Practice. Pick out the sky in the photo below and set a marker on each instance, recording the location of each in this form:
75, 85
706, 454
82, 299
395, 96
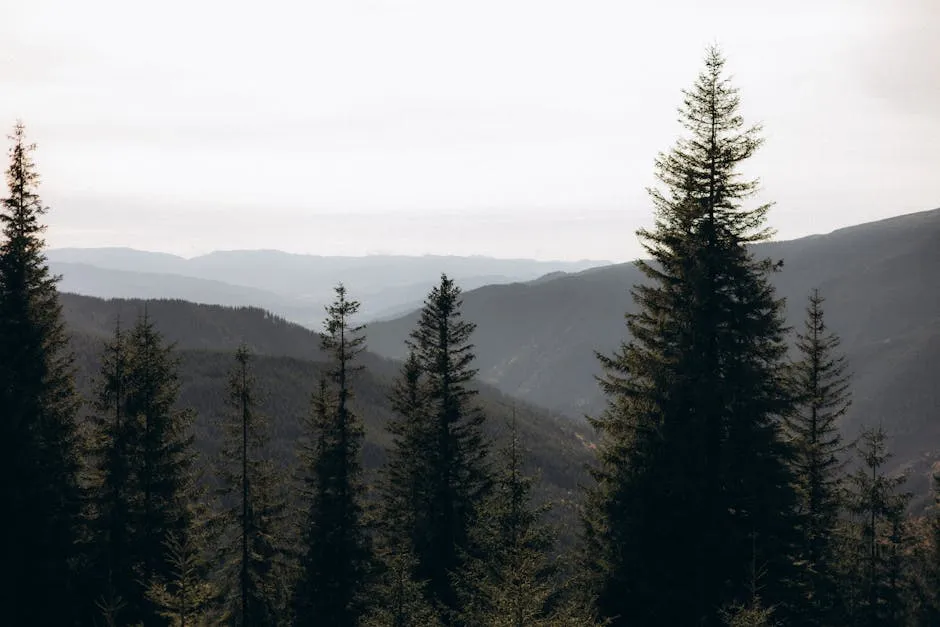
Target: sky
508, 128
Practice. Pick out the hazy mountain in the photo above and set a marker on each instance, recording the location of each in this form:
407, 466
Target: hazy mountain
881, 280
293, 286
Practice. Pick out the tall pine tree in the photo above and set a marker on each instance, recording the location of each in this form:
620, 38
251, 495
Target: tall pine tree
336, 554
438, 461
512, 582
692, 466
253, 511
822, 394
874, 582
39, 440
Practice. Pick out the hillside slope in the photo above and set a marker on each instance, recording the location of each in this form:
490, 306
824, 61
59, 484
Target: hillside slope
882, 285
288, 366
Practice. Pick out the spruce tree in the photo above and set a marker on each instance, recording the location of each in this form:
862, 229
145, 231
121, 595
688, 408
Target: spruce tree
821, 388
39, 439
438, 459
114, 496
253, 509
692, 465
398, 600
512, 582
165, 474
336, 554
875, 583
184, 596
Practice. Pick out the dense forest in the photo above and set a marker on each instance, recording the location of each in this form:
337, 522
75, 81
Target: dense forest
718, 488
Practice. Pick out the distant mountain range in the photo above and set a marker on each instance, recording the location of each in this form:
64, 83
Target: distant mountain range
536, 340
293, 286
537, 334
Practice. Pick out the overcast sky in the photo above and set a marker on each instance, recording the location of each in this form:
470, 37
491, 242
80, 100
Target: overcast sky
512, 128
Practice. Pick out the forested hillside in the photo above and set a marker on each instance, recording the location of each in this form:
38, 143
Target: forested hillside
289, 362
536, 340
173, 464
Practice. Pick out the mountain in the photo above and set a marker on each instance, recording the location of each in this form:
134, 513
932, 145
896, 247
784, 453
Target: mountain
881, 280
289, 362
293, 286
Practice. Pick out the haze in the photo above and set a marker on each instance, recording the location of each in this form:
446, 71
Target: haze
510, 128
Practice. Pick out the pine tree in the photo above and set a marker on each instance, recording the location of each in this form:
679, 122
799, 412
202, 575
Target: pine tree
114, 503
336, 554
512, 583
166, 478
39, 440
438, 460
254, 510
821, 390
184, 596
875, 586
692, 464
399, 600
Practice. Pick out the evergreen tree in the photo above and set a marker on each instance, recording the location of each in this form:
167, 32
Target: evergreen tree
399, 600
437, 464
115, 501
253, 511
163, 491
39, 440
336, 553
692, 464
876, 583
184, 596
512, 583
821, 390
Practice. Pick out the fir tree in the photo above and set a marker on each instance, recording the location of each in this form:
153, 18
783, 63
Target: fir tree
115, 501
437, 464
165, 475
253, 511
399, 600
512, 583
184, 596
692, 464
875, 582
821, 390
335, 560
39, 440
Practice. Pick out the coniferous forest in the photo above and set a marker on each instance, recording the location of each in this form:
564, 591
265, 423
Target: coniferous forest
722, 490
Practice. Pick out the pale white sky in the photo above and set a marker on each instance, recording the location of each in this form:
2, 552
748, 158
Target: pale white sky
512, 128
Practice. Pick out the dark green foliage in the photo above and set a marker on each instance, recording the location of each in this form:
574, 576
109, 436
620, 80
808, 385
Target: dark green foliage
692, 467
336, 555
397, 599
114, 499
821, 390
437, 473
39, 440
145, 484
184, 596
253, 506
512, 583
877, 539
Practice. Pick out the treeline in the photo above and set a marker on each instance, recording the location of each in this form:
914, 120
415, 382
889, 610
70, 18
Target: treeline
723, 492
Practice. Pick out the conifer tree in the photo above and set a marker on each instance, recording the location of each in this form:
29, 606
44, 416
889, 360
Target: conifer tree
165, 477
692, 464
39, 440
437, 464
336, 553
875, 584
821, 391
399, 600
184, 596
512, 582
254, 510
115, 500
